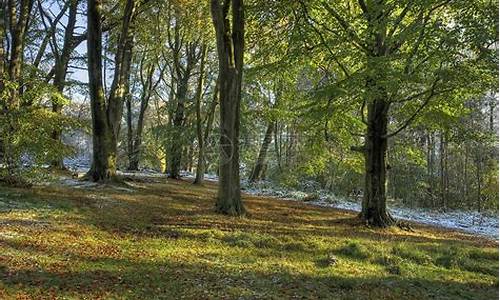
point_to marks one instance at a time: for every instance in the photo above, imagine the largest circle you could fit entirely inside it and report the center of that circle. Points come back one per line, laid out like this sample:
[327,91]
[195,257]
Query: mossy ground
[163,240]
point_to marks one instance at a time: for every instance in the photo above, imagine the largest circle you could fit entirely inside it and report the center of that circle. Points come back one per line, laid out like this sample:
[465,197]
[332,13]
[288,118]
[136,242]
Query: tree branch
[347,28]
[432,93]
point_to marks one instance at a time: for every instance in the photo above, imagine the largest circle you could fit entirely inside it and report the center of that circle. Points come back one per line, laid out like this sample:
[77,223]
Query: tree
[148,86]
[406,57]
[61,68]
[107,113]
[11,70]
[229,32]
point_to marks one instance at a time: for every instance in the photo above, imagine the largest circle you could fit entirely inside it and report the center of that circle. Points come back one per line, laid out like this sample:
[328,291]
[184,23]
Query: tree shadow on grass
[168,279]
[160,209]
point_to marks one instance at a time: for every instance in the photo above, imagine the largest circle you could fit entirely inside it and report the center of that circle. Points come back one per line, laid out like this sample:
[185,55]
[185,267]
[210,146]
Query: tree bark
[60,71]
[183,77]
[200,166]
[259,164]
[106,117]
[18,24]
[374,201]
[208,129]
[3,74]
[374,211]
[134,142]
[230,47]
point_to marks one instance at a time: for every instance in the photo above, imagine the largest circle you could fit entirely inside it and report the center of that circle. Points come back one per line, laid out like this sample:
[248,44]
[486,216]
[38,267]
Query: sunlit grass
[164,240]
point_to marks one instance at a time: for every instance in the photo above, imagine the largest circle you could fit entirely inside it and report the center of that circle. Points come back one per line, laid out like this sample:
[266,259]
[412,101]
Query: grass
[163,241]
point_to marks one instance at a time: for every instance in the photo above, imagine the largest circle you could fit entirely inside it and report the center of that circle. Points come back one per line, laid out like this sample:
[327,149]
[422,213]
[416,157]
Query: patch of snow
[207,177]
[485,224]
[468,221]
[79,184]
[143,173]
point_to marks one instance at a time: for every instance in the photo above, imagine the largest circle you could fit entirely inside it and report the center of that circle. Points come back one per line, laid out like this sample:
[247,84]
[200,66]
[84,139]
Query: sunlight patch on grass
[166,240]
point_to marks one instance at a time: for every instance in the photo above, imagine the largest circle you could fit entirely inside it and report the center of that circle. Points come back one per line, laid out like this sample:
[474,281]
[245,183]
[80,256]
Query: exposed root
[404,226]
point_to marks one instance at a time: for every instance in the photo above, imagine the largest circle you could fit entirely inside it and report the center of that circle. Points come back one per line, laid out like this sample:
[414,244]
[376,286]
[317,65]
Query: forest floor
[158,239]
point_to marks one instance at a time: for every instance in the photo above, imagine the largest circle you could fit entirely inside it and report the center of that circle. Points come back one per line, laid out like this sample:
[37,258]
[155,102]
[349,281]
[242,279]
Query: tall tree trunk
[200,166]
[374,202]
[3,74]
[175,153]
[106,117]
[176,142]
[60,71]
[443,170]
[103,164]
[130,137]
[277,145]
[259,164]
[478,179]
[134,141]
[230,47]
[430,167]
[18,24]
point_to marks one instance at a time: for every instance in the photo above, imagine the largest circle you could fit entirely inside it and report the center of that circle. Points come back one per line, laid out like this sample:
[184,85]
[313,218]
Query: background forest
[148,147]
[301,111]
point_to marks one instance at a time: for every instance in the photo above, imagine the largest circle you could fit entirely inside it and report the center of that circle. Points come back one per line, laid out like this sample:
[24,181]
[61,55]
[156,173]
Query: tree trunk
[132,165]
[230,47]
[135,140]
[13,69]
[200,165]
[208,129]
[176,142]
[103,164]
[277,145]
[3,75]
[478,178]
[374,202]
[60,71]
[443,161]
[258,169]
[106,117]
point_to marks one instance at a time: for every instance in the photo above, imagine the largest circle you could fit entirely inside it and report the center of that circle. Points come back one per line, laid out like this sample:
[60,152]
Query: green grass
[163,241]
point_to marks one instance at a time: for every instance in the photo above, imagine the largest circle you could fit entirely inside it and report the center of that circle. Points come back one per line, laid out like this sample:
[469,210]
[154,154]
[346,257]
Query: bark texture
[230,46]
[61,69]
[183,74]
[134,138]
[200,165]
[258,169]
[17,13]
[106,115]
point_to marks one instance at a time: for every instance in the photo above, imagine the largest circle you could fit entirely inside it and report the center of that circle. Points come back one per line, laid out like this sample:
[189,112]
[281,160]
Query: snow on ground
[485,224]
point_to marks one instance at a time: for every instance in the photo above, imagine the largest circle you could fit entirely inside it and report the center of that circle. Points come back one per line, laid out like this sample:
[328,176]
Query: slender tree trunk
[277,145]
[466,173]
[176,142]
[130,136]
[478,178]
[258,169]
[230,47]
[200,166]
[443,162]
[3,74]
[135,139]
[208,129]
[61,69]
